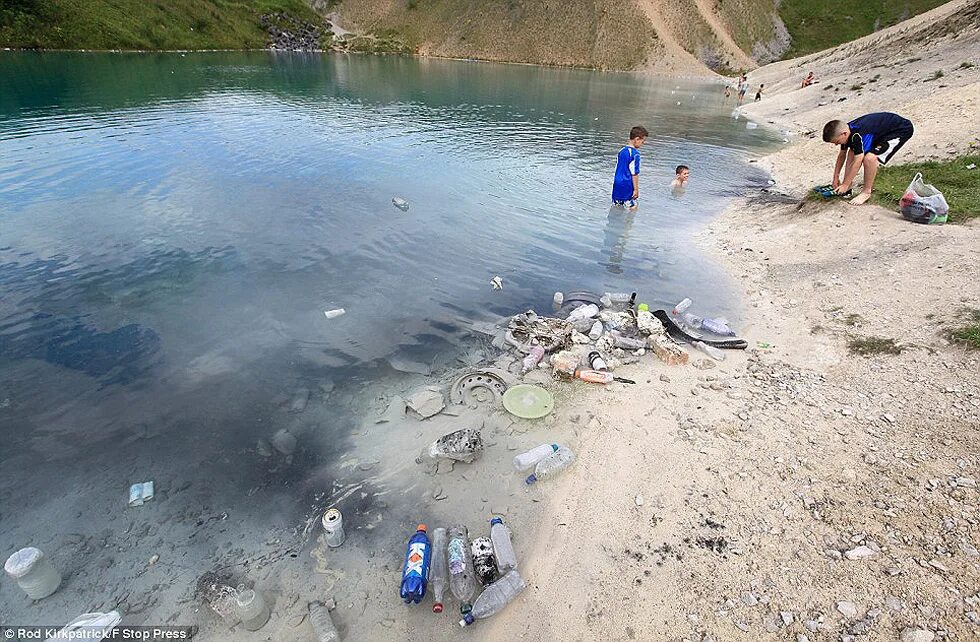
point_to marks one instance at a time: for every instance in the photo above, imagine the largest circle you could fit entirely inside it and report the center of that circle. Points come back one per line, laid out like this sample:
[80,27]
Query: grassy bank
[141,24]
[815,25]
[960,186]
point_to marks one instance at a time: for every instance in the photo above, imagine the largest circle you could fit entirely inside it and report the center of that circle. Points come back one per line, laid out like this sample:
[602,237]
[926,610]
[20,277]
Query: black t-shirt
[871,128]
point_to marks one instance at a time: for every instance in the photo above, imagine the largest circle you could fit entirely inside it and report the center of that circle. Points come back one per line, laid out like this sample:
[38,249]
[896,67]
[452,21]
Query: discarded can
[333,528]
[484,562]
[415,572]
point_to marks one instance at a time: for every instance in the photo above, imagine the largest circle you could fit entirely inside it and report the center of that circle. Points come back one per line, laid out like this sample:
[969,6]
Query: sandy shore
[726,503]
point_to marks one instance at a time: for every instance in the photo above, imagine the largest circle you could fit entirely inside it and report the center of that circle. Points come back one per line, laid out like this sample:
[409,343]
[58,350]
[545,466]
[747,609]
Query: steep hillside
[142,24]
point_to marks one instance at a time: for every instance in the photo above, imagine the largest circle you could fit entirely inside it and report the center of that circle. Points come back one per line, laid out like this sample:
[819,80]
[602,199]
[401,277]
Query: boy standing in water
[681,174]
[626,184]
[865,142]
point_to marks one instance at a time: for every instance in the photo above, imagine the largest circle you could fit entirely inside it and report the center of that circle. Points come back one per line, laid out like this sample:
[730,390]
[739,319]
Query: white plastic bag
[923,203]
[89,626]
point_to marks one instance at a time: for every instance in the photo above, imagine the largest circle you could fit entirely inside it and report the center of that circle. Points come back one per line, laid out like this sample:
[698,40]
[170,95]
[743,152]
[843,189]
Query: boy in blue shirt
[865,142]
[626,184]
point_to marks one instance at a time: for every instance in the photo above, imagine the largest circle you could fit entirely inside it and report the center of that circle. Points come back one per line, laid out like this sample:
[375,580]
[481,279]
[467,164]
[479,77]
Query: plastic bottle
[586,311]
[439,573]
[593,376]
[596,362]
[681,307]
[552,465]
[415,572]
[323,627]
[527,460]
[596,330]
[628,343]
[462,579]
[503,549]
[717,326]
[711,351]
[558,299]
[532,360]
[484,562]
[495,597]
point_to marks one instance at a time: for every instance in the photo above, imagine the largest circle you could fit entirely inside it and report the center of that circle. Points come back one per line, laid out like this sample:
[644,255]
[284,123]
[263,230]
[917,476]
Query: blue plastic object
[415,572]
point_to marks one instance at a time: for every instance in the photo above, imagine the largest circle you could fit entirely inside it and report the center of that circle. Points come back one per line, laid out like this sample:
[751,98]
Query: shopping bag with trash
[923,203]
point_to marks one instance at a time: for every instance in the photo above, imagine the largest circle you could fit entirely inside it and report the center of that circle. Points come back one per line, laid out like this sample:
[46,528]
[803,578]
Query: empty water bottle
[484,562]
[527,460]
[681,307]
[717,326]
[503,549]
[495,597]
[627,343]
[324,629]
[462,580]
[415,572]
[438,572]
[552,465]
[711,351]
[532,360]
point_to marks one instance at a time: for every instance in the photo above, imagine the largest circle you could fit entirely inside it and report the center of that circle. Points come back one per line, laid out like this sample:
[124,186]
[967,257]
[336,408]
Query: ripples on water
[172,228]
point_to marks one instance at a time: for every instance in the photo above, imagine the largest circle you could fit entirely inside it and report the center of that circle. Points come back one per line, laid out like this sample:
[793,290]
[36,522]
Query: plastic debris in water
[497,283]
[333,314]
[400,203]
[140,493]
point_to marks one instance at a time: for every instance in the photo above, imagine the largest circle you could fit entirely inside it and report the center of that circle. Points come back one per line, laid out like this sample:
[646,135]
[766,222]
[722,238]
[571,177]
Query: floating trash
[140,493]
[400,203]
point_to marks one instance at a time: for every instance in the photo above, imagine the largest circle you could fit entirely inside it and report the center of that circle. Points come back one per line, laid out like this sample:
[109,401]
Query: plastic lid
[496,520]
[528,402]
[466,621]
[437,607]
[531,479]
[20,563]
[421,527]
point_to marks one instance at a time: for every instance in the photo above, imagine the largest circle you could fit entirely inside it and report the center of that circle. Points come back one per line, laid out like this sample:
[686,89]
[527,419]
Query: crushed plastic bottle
[400,203]
[495,597]
[558,299]
[324,629]
[594,376]
[532,360]
[627,343]
[596,362]
[586,311]
[484,562]
[552,465]
[464,445]
[415,572]
[714,326]
[438,572]
[462,579]
[711,351]
[528,460]
[503,548]
[596,331]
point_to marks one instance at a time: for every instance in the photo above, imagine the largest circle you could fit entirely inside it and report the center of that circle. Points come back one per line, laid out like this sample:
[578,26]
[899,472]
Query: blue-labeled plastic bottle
[415,572]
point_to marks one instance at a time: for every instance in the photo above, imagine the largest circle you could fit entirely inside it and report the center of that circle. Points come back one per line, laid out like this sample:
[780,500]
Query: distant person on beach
[681,174]
[743,88]
[807,81]
[865,142]
[758,93]
[626,184]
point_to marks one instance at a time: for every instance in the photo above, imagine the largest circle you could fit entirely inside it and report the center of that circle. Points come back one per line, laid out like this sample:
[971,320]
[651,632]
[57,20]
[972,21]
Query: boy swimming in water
[681,174]
[626,184]
[865,142]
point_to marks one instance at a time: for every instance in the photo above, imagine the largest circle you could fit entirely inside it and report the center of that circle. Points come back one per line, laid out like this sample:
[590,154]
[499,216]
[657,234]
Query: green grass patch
[142,24]
[869,346]
[819,24]
[960,186]
[967,330]
[936,75]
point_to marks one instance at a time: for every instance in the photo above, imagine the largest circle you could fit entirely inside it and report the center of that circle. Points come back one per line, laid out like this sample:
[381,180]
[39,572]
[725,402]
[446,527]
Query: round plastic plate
[528,402]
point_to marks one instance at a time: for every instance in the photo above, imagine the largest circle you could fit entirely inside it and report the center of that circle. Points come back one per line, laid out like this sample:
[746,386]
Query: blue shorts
[627,203]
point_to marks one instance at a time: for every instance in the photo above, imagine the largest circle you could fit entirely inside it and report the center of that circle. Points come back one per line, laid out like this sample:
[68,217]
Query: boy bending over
[865,142]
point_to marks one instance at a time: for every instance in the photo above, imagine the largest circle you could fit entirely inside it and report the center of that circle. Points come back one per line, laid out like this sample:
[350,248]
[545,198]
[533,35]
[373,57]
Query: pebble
[860,553]
[153,560]
[749,599]
[893,603]
[917,635]
[787,617]
[847,609]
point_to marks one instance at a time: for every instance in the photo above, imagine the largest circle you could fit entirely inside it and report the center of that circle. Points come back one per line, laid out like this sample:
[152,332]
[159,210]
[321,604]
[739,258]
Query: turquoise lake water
[173,227]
